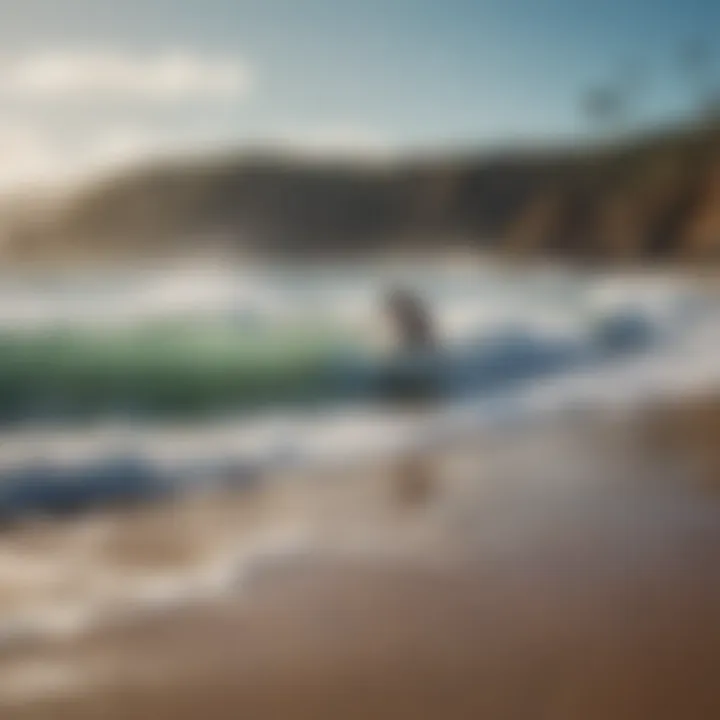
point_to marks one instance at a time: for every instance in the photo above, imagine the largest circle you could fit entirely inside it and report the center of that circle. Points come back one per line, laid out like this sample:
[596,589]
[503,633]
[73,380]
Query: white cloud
[29,154]
[162,77]
[35,156]
[38,155]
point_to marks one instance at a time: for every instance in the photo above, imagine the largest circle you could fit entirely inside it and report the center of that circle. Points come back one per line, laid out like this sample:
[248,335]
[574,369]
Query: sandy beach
[550,572]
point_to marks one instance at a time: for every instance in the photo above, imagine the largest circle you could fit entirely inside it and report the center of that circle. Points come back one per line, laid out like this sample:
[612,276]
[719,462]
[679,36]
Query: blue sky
[99,81]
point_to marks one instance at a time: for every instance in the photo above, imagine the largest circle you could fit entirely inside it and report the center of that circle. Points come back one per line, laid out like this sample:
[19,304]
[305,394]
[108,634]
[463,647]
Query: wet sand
[561,572]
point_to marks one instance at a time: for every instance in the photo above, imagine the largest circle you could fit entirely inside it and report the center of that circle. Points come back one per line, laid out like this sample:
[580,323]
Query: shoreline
[565,572]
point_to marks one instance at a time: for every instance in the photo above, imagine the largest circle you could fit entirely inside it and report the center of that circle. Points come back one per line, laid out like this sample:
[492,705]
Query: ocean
[146,381]
[172,387]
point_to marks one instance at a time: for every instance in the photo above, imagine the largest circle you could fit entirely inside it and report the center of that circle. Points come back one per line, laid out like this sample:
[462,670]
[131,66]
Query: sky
[88,84]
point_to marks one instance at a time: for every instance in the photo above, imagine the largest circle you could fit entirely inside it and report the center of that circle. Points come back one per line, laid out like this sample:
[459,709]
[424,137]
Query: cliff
[652,198]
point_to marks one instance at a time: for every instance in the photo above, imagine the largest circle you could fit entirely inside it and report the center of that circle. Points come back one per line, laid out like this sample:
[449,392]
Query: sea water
[145,381]
[159,385]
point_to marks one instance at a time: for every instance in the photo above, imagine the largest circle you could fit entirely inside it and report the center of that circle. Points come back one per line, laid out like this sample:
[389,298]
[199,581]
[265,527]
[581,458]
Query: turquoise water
[167,369]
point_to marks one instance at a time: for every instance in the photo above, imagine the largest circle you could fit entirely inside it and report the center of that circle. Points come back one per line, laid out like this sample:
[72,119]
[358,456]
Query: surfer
[413,382]
[412,378]
[413,323]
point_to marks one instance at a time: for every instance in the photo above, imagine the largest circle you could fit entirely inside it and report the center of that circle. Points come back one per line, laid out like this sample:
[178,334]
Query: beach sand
[563,572]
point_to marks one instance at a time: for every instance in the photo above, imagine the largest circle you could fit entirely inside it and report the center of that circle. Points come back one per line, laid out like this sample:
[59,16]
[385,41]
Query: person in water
[413,382]
[413,378]
[412,321]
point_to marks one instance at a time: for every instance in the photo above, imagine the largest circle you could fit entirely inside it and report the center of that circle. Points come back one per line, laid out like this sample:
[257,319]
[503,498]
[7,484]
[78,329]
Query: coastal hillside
[655,198]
